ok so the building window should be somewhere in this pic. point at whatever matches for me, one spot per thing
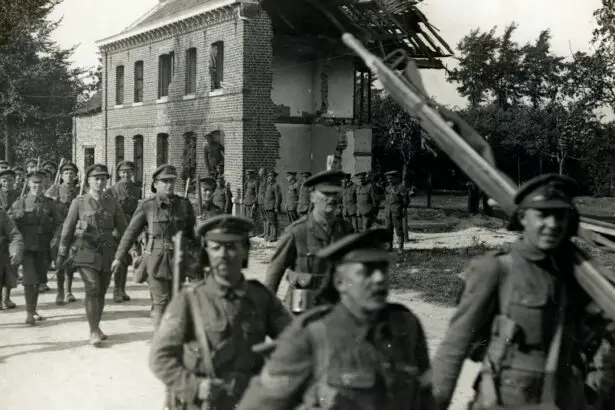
(362, 94)
(162, 149)
(189, 156)
(119, 149)
(88, 157)
(138, 158)
(119, 85)
(139, 81)
(165, 73)
(216, 65)
(191, 71)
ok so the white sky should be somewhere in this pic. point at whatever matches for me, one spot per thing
(570, 21)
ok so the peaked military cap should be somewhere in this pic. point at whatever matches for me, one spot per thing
(31, 162)
(391, 173)
(129, 165)
(293, 173)
(70, 165)
(97, 170)
(208, 183)
(48, 164)
(165, 171)
(19, 169)
(38, 175)
(326, 181)
(272, 173)
(47, 172)
(224, 228)
(250, 171)
(7, 172)
(368, 246)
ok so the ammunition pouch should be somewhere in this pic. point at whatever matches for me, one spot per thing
(302, 290)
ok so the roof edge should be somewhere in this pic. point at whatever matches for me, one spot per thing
(143, 17)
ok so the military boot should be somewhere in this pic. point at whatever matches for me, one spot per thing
(117, 295)
(6, 299)
(274, 234)
(60, 297)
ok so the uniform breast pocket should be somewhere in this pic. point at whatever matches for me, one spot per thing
(527, 310)
(90, 217)
(348, 388)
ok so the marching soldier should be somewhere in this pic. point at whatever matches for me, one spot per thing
(164, 214)
(272, 205)
(50, 166)
(250, 196)
(357, 351)
(262, 186)
(128, 194)
(292, 197)
(8, 193)
(298, 246)
(229, 199)
(20, 172)
(396, 201)
(92, 220)
(220, 196)
(63, 194)
(40, 222)
(304, 205)
(208, 209)
(4, 165)
(367, 203)
(528, 305)
(49, 177)
(349, 202)
(31, 165)
(202, 349)
(11, 253)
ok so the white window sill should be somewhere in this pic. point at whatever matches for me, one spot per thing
(162, 100)
(216, 92)
(189, 97)
(119, 106)
(137, 104)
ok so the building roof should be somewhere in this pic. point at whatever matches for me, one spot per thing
(165, 10)
(91, 106)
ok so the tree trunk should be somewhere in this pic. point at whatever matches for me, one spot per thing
(540, 164)
(6, 138)
(429, 188)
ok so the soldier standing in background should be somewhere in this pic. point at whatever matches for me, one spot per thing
(50, 166)
(40, 223)
(262, 186)
(11, 254)
(20, 173)
(164, 214)
(49, 178)
(220, 196)
(229, 199)
(63, 194)
(250, 196)
(357, 351)
(366, 203)
(297, 248)
(304, 205)
(397, 199)
(213, 154)
(208, 208)
(272, 205)
(349, 202)
(292, 197)
(4, 165)
(128, 195)
(8, 193)
(31, 165)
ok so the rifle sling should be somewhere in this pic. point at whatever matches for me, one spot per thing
(200, 334)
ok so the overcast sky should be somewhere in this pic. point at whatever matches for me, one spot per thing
(570, 21)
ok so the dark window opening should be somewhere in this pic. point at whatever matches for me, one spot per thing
(88, 157)
(162, 149)
(119, 149)
(139, 81)
(165, 74)
(362, 94)
(138, 158)
(119, 85)
(216, 65)
(191, 71)
(189, 157)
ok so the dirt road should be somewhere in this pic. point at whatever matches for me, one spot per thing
(52, 367)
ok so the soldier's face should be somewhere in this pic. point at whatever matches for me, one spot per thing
(97, 183)
(36, 185)
(125, 174)
(325, 203)
(165, 186)
(6, 183)
(68, 175)
(545, 229)
(30, 168)
(206, 194)
(226, 259)
(363, 285)
(261, 172)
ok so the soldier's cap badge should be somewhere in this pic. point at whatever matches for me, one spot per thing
(326, 181)
(224, 228)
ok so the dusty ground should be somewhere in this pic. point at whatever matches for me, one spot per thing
(52, 367)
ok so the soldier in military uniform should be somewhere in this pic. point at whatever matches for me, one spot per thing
(8, 194)
(213, 154)
(92, 220)
(304, 205)
(4, 165)
(49, 178)
(356, 351)
(11, 253)
(250, 196)
(164, 214)
(272, 205)
(349, 202)
(208, 208)
(20, 172)
(297, 248)
(528, 305)
(220, 196)
(229, 198)
(235, 314)
(40, 222)
(31, 165)
(63, 194)
(367, 203)
(396, 201)
(292, 197)
(128, 195)
(262, 186)
(50, 166)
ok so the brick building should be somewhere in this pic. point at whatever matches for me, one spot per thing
(269, 80)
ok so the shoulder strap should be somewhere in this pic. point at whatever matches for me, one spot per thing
(199, 330)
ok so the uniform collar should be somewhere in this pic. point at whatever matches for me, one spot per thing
(166, 200)
(529, 252)
(353, 323)
(225, 291)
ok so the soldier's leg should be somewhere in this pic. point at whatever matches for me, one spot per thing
(355, 223)
(92, 285)
(160, 290)
(269, 226)
(274, 227)
(70, 274)
(388, 223)
(124, 278)
(60, 279)
(263, 215)
(118, 279)
(104, 278)
(398, 223)
(31, 280)
(9, 282)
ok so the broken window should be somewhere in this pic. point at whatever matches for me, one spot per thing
(119, 149)
(138, 158)
(139, 81)
(216, 65)
(162, 149)
(362, 94)
(191, 71)
(119, 85)
(165, 74)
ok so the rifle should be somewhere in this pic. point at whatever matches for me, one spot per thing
(187, 187)
(465, 150)
(59, 173)
(178, 259)
(199, 197)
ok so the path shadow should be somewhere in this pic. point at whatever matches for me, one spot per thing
(108, 303)
(52, 320)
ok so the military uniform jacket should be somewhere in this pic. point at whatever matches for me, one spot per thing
(63, 194)
(273, 197)
(234, 320)
(208, 210)
(38, 219)
(220, 198)
(128, 195)
(349, 200)
(366, 199)
(304, 203)
(292, 196)
(532, 305)
(8, 197)
(330, 359)
(396, 200)
(11, 240)
(163, 218)
(262, 186)
(297, 248)
(251, 193)
(92, 223)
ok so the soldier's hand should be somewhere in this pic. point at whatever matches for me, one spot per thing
(209, 389)
(15, 259)
(60, 259)
(115, 265)
(134, 254)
